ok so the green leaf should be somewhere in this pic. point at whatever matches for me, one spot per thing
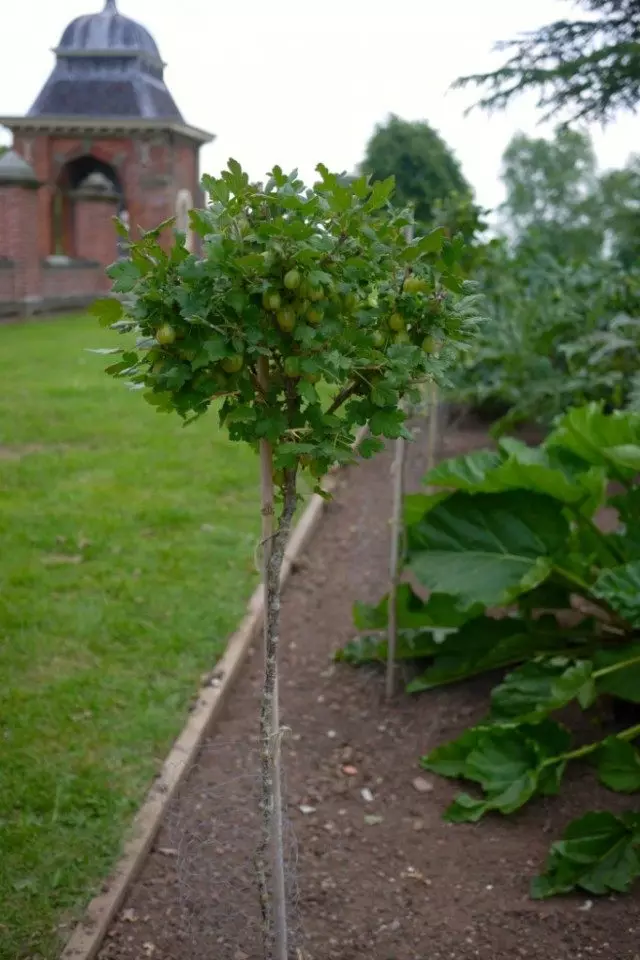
(598, 853)
(617, 671)
(108, 311)
(541, 686)
(470, 472)
(370, 446)
(416, 505)
(383, 394)
(373, 649)
(413, 613)
(388, 423)
(511, 765)
(620, 588)
(519, 467)
(125, 274)
(241, 414)
(380, 193)
(307, 391)
(611, 440)
(485, 644)
(450, 759)
(618, 765)
(488, 548)
(433, 242)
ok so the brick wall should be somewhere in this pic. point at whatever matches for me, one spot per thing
(7, 281)
(151, 171)
(72, 281)
(19, 237)
(95, 234)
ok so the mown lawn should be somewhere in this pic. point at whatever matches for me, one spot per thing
(126, 559)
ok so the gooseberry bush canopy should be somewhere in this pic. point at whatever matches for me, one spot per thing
(324, 285)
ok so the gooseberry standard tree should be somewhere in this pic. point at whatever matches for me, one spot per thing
(294, 286)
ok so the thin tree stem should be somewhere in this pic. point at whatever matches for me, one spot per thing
(274, 910)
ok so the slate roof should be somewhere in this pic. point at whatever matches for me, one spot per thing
(107, 66)
(107, 30)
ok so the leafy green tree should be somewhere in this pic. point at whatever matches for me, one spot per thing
(588, 69)
(552, 194)
(620, 205)
(424, 167)
(295, 286)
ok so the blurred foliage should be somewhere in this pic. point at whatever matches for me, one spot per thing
(562, 285)
(587, 69)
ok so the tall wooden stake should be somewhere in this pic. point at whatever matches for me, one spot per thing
(432, 435)
(396, 530)
(273, 899)
(396, 536)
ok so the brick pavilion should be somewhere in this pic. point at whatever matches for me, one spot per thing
(104, 137)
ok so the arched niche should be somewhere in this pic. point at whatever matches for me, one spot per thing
(73, 174)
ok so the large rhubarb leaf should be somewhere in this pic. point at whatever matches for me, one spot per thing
(619, 587)
(520, 467)
(488, 548)
(486, 644)
(415, 505)
(471, 472)
(414, 613)
(539, 687)
(618, 765)
(627, 537)
(511, 765)
(617, 671)
(410, 645)
(598, 853)
(610, 440)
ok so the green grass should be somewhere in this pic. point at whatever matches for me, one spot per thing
(126, 559)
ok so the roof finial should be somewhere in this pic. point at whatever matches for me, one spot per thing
(110, 6)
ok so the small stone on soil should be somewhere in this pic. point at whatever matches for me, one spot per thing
(422, 785)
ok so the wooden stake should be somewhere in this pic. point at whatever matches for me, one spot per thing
(396, 530)
(396, 534)
(432, 435)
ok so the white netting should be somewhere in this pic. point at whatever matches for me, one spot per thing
(215, 837)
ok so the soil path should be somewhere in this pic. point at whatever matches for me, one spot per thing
(378, 874)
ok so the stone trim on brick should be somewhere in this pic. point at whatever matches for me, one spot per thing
(115, 127)
(68, 263)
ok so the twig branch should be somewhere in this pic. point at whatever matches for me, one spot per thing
(342, 397)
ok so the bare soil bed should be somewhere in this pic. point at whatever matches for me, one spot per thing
(378, 874)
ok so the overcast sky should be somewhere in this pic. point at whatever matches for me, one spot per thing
(297, 82)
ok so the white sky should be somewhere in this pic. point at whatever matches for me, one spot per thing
(297, 82)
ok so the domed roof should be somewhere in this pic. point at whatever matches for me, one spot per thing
(107, 31)
(13, 169)
(107, 66)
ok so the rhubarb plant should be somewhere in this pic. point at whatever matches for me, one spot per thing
(516, 529)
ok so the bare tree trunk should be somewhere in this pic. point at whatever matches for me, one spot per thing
(273, 901)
